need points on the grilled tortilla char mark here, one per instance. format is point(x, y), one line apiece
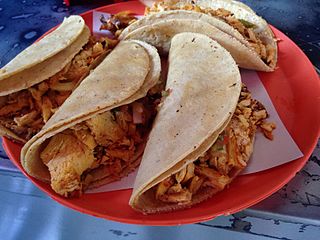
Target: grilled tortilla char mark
point(245, 28)
point(25, 112)
point(218, 166)
point(104, 146)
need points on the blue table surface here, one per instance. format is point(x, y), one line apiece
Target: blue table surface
point(26, 213)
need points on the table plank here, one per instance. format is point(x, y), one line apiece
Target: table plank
point(28, 212)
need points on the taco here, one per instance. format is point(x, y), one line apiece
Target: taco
point(97, 136)
point(203, 134)
point(250, 41)
point(38, 80)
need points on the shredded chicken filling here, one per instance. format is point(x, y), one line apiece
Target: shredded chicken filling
point(105, 146)
point(117, 22)
point(226, 157)
point(245, 28)
point(25, 112)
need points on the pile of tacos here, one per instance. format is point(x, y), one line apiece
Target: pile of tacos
point(164, 96)
point(238, 29)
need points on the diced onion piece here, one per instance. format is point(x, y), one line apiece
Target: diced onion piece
point(175, 189)
point(190, 172)
point(25, 119)
point(36, 94)
point(46, 109)
point(195, 184)
point(137, 112)
point(97, 49)
point(180, 175)
point(164, 186)
point(66, 86)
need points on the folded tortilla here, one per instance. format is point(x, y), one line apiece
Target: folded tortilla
point(205, 84)
point(250, 41)
point(247, 16)
point(88, 121)
point(40, 61)
point(36, 82)
point(225, 4)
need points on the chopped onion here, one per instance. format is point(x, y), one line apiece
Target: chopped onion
point(137, 111)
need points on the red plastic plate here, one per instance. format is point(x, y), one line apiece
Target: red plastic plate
point(295, 91)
